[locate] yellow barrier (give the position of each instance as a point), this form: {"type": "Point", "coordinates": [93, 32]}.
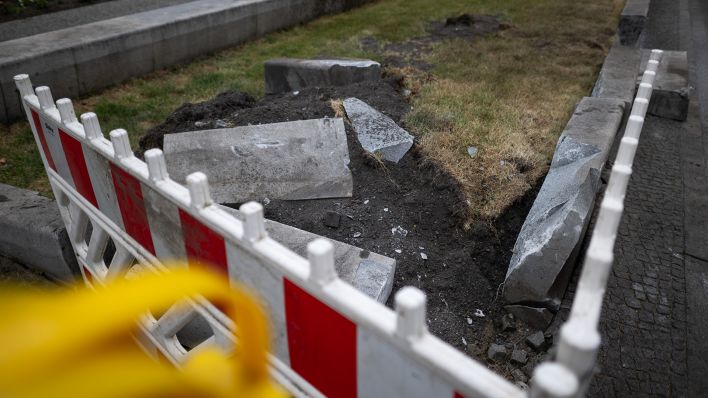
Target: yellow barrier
{"type": "Point", "coordinates": [80, 342]}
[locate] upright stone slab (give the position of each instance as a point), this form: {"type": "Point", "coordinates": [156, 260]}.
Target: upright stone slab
{"type": "Point", "coordinates": [632, 22]}
{"type": "Point", "coordinates": [32, 233]}
{"type": "Point", "coordinates": [550, 237]}
{"type": "Point", "coordinates": [369, 272]}
{"type": "Point", "coordinates": [291, 74]}
{"type": "Point", "coordinates": [618, 74]}
{"type": "Point", "coordinates": [671, 91]}
{"type": "Point", "coordinates": [376, 132]}
{"type": "Point", "coordinates": [305, 159]}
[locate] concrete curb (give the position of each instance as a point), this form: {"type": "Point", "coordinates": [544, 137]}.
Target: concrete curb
{"type": "Point", "coordinates": [33, 233]}
{"type": "Point", "coordinates": [83, 59]}
{"type": "Point", "coordinates": [632, 22]}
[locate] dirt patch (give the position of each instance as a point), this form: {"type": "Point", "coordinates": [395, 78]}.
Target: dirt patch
{"type": "Point", "coordinates": [410, 53]}
{"type": "Point", "coordinates": [410, 211]}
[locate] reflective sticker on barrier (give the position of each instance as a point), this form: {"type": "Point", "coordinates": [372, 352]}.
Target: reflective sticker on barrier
{"type": "Point", "coordinates": [385, 371]}
{"type": "Point", "coordinates": [51, 135]}
{"type": "Point", "coordinates": [100, 173]}
{"type": "Point", "coordinates": [165, 225]}
{"type": "Point", "coordinates": [77, 166]}
{"type": "Point", "coordinates": [322, 343]}
{"type": "Point", "coordinates": [40, 134]}
{"type": "Point", "coordinates": [202, 244]}
{"type": "Point", "coordinates": [132, 207]}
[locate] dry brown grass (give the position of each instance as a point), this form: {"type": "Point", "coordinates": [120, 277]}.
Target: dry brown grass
{"type": "Point", "coordinates": [510, 96]}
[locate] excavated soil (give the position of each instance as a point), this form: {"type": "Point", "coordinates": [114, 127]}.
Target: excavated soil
{"type": "Point", "coordinates": [460, 270]}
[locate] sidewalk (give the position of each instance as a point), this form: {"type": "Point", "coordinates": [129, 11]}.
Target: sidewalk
{"type": "Point", "coordinates": [656, 306]}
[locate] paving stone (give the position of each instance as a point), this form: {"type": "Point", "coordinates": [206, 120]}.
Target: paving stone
{"type": "Point", "coordinates": [670, 96]}
{"type": "Point", "coordinates": [292, 74]}
{"type": "Point", "coordinates": [519, 357]}
{"type": "Point", "coordinates": [332, 219]}
{"type": "Point", "coordinates": [555, 225]}
{"type": "Point", "coordinates": [536, 341]}
{"type": "Point", "coordinates": [376, 132]}
{"type": "Point", "coordinates": [632, 21]}
{"type": "Point", "coordinates": [536, 318]}
{"type": "Point", "coordinates": [497, 353]}
{"type": "Point", "coordinates": [306, 159]}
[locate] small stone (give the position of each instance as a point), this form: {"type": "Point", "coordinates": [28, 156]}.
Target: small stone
{"type": "Point", "coordinates": [399, 231]}
{"type": "Point", "coordinates": [472, 151]}
{"type": "Point", "coordinates": [508, 323]}
{"type": "Point", "coordinates": [201, 123]}
{"type": "Point", "coordinates": [464, 341]}
{"type": "Point", "coordinates": [332, 219]}
{"type": "Point", "coordinates": [296, 93]}
{"type": "Point", "coordinates": [469, 320]}
{"type": "Point", "coordinates": [479, 313]}
{"type": "Point", "coordinates": [536, 341]}
{"type": "Point", "coordinates": [519, 376]}
{"type": "Point", "coordinates": [385, 208]}
{"type": "Point", "coordinates": [220, 124]}
{"type": "Point", "coordinates": [366, 202]}
{"type": "Point", "coordinates": [497, 353]}
{"type": "Point", "coordinates": [423, 256]}
{"type": "Point", "coordinates": [399, 251]}
{"type": "Point", "coordinates": [519, 357]}
{"type": "Point", "coordinates": [357, 234]}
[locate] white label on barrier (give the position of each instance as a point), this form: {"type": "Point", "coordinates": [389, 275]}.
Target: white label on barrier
{"type": "Point", "coordinates": [51, 134]}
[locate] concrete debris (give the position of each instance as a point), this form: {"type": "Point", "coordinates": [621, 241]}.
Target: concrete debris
{"type": "Point", "coordinates": [293, 74]}
{"type": "Point", "coordinates": [508, 323]}
{"type": "Point", "coordinates": [536, 318]}
{"type": "Point", "coordinates": [472, 151]}
{"type": "Point", "coordinates": [332, 219]}
{"type": "Point", "coordinates": [497, 353]}
{"type": "Point", "coordinates": [537, 341]}
{"type": "Point", "coordinates": [519, 356]}
{"type": "Point", "coordinates": [423, 256]}
{"type": "Point", "coordinates": [479, 313]}
{"type": "Point", "coordinates": [305, 159]}
{"type": "Point", "coordinates": [399, 231]}
{"type": "Point", "coordinates": [376, 132]}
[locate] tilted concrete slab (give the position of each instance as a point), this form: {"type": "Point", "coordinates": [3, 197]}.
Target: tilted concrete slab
{"type": "Point", "coordinates": [83, 59]}
{"type": "Point", "coordinates": [632, 22]}
{"type": "Point", "coordinates": [369, 272]}
{"type": "Point", "coordinates": [376, 132]}
{"type": "Point", "coordinates": [304, 159]}
{"type": "Point", "coordinates": [670, 97]}
{"type": "Point", "coordinates": [32, 233]}
{"type": "Point", "coordinates": [291, 74]}
{"type": "Point", "coordinates": [551, 235]}
{"type": "Point", "coordinates": [618, 74]}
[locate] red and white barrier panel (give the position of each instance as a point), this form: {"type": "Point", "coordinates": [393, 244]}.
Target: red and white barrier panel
{"type": "Point", "coordinates": [336, 338]}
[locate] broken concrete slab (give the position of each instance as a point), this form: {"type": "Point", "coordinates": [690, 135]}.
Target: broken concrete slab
{"type": "Point", "coordinates": [306, 159]}
{"type": "Point", "coordinates": [618, 74]}
{"type": "Point", "coordinates": [376, 132]}
{"type": "Point", "coordinates": [671, 90]}
{"type": "Point", "coordinates": [33, 233]}
{"type": "Point", "coordinates": [291, 74]}
{"type": "Point", "coordinates": [632, 21]}
{"type": "Point", "coordinates": [369, 272]}
{"type": "Point", "coordinates": [536, 318]}
{"type": "Point", "coordinates": [550, 237]}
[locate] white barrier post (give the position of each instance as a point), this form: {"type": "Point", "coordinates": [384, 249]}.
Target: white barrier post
{"type": "Point", "coordinates": [410, 311]}
{"type": "Point", "coordinates": [121, 144]}
{"type": "Point", "coordinates": [92, 128]}
{"type": "Point", "coordinates": [198, 186]}
{"type": "Point", "coordinates": [320, 253]}
{"type": "Point", "coordinates": [157, 168]}
{"type": "Point", "coordinates": [254, 228]}
{"type": "Point", "coordinates": [551, 380]}
{"type": "Point", "coordinates": [66, 111]}
{"type": "Point", "coordinates": [44, 95]}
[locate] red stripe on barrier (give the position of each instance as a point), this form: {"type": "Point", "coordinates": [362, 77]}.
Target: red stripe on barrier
{"type": "Point", "coordinates": [203, 246]}
{"type": "Point", "coordinates": [322, 343]}
{"type": "Point", "coordinates": [43, 140]}
{"type": "Point", "coordinates": [74, 154]}
{"type": "Point", "coordinates": [88, 275]}
{"type": "Point", "coordinates": [458, 395]}
{"type": "Point", "coordinates": [132, 207]}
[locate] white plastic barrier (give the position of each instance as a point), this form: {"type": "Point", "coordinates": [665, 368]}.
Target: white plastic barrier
{"type": "Point", "coordinates": [580, 339]}
{"type": "Point", "coordinates": [331, 339]}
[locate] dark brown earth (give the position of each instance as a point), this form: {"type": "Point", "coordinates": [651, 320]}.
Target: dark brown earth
{"type": "Point", "coordinates": [464, 268]}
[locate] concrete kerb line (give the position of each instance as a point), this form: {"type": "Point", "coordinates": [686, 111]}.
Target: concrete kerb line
{"type": "Point", "coordinates": [383, 340]}
{"type": "Point", "coordinates": [579, 354]}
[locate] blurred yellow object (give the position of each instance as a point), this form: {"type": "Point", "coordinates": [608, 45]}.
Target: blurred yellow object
{"type": "Point", "coordinates": [79, 342]}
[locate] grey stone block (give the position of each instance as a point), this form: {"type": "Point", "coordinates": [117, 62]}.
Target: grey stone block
{"type": "Point", "coordinates": [33, 233]}
{"type": "Point", "coordinates": [670, 97]}
{"type": "Point", "coordinates": [369, 272]}
{"type": "Point", "coordinates": [618, 74]}
{"type": "Point", "coordinates": [536, 318]}
{"type": "Point", "coordinates": [550, 237]}
{"type": "Point", "coordinates": [519, 357]}
{"type": "Point", "coordinates": [304, 159]}
{"type": "Point", "coordinates": [497, 353]}
{"type": "Point", "coordinates": [537, 341]}
{"type": "Point", "coordinates": [377, 132]}
{"type": "Point", "coordinates": [291, 74]}
{"type": "Point", "coordinates": [632, 21]}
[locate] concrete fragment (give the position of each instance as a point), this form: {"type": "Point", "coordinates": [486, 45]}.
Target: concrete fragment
{"type": "Point", "coordinates": [508, 322]}
{"type": "Point", "coordinates": [669, 99]}
{"type": "Point", "coordinates": [291, 74]}
{"type": "Point", "coordinates": [332, 219]}
{"type": "Point", "coordinates": [554, 227]}
{"type": "Point", "coordinates": [536, 341]}
{"type": "Point", "coordinates": [632, 21]}
{"type": "Point", "coordinates": [304, 159]}
{"type": "Point", "coordinates": [497, 353]}
{"type": "Point", "coordinates": [369, 272]}
{"type": "Point", "coordinates": [519, 356]}
{"type": "Point", "coordinates": [32, 233]}
{"type": "Point", "coordinates": [537, 318]}
{"type": "Point", "coordinates": [377, 132]}
{"type": "Point", "coordinates": [618, 74]}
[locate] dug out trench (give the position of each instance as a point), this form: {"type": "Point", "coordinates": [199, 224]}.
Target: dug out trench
{"type": "Point", "coordinates": [411, 211]}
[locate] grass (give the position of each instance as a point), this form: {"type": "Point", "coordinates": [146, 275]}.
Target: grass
{"type": "Point", "coordinates": [509, 95]}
